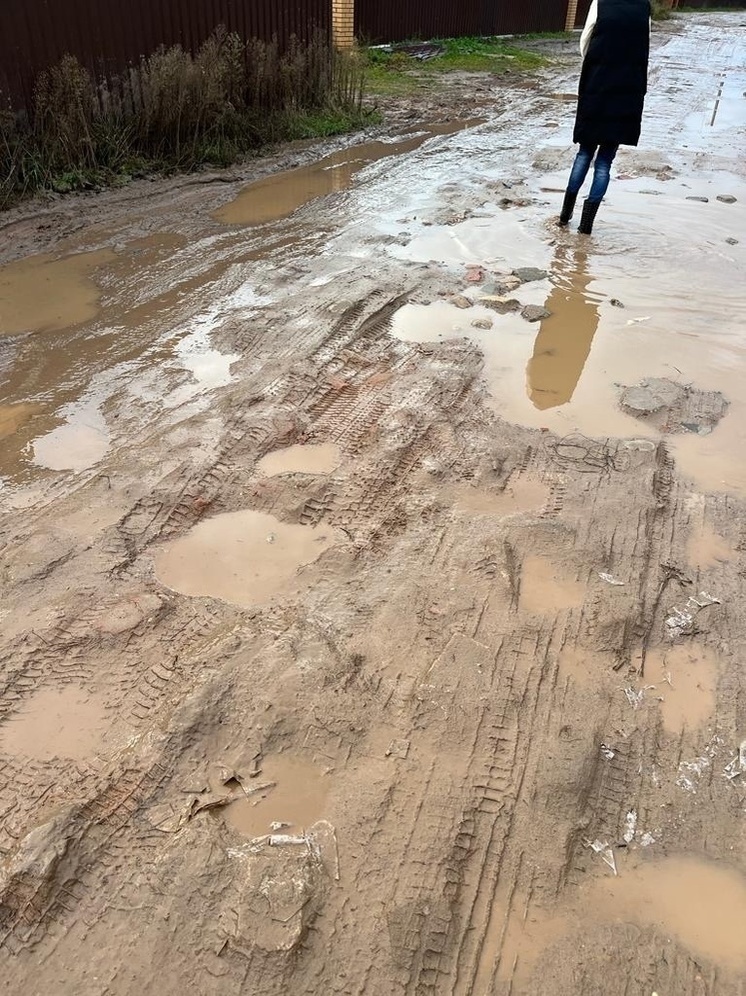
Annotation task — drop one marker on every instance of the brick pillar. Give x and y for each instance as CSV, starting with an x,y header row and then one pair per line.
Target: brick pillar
x,y
572,15
343,21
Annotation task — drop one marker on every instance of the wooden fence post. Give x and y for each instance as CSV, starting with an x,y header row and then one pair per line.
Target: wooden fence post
x,y
572,15
343,20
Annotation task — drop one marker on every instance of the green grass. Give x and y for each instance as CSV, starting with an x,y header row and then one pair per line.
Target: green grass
x,y
397,74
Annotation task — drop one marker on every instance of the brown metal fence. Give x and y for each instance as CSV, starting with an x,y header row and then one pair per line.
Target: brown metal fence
x,y
108,35
583,7
402,20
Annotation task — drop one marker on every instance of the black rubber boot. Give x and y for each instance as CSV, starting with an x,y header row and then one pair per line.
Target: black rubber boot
x,y
568,206
590,210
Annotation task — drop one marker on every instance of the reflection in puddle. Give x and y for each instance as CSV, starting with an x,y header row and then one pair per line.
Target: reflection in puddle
x,y
297,798
56,722
546,588
321,459
563,344
242,557
686,678
282,194
79,443
41,293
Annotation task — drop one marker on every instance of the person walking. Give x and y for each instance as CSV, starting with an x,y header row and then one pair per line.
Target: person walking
x,y
615,46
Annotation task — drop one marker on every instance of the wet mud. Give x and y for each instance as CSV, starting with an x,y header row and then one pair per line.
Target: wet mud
x,y
242,557
359,633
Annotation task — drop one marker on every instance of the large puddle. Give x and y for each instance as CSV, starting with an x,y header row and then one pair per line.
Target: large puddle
x,y
282,194
287,796
699,903
618,314
56,723
248,558
44,294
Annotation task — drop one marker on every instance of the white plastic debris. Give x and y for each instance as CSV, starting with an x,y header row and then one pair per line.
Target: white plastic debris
x,y
637,321
601,847
610,579
636,696
681,621
607,752
631,824
738,765
690,772
646,840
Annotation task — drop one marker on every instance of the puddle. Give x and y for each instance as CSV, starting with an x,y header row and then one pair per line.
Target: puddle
x,y
43,294
521,496
56,722
282,194
13,417
546,588
79,443
247,557
702,904
321,459
707,549
690,699
298,798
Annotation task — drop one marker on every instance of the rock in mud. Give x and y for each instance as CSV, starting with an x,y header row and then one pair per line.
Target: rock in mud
x,y
459,301
483,323
502,286
727,198
731,241
674,408
535,313
528,274
501,305
702,200
616,303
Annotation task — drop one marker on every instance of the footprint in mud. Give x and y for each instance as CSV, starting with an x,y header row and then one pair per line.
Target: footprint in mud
x,y
66,722
706,549
546,588
686,679
247,557
321,459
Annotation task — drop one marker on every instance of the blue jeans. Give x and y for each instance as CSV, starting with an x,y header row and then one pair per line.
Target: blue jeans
x,y
601,171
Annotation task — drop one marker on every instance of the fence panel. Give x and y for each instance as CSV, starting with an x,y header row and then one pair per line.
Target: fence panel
x,y
522,17
403,20
108,35
583,7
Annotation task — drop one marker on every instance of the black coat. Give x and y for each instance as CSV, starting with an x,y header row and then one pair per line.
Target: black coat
x,y
614,79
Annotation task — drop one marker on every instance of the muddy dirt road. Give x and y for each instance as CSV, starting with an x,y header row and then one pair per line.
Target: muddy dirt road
x,y
359,634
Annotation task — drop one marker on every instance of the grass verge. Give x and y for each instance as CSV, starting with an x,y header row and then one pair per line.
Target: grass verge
x,y
176,111
394,72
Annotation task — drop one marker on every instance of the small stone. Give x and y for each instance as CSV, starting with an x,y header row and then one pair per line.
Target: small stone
x,y
502,286
535,313
731,241
616,303
502,307
702,200
527,274
727,198
474,275
482,323
459,301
